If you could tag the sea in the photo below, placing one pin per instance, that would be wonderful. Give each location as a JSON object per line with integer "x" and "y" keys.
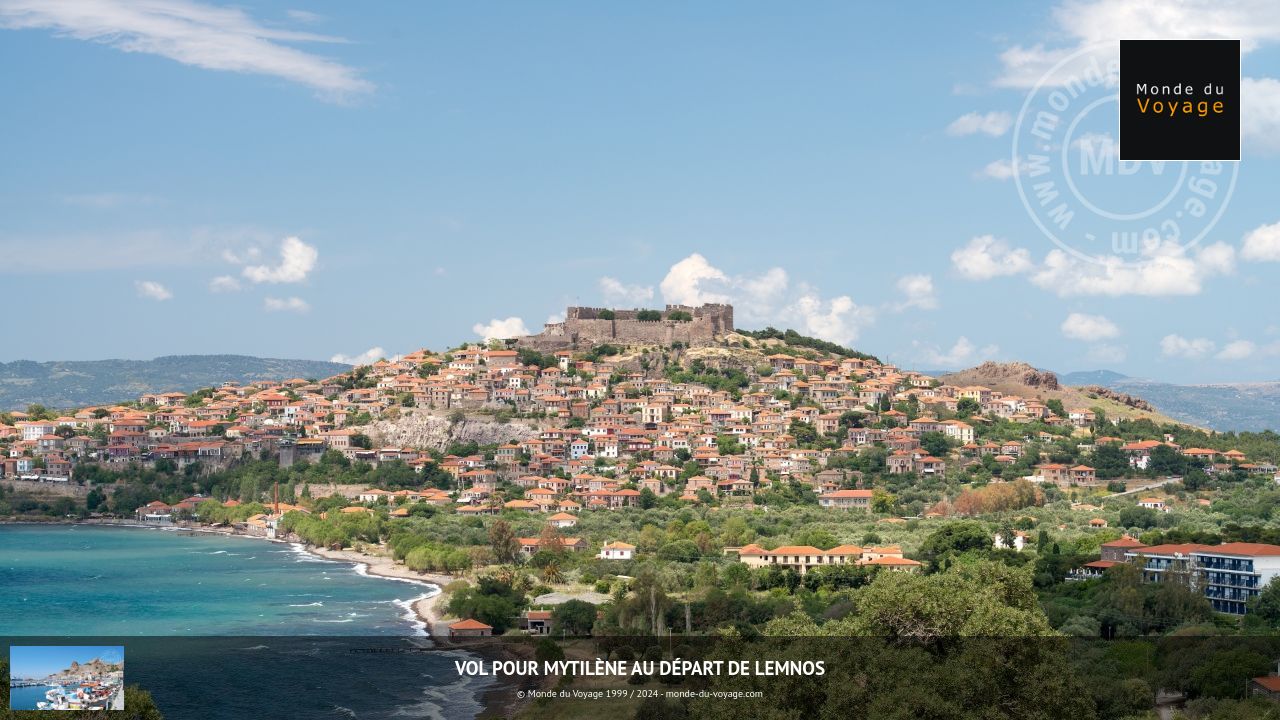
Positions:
{"x": 218, "y": 626}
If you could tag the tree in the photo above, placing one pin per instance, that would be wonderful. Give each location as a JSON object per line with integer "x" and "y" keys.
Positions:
{"x": 680, "y": 551}
{"x": 1166, "y": 461}
{"x": 493, "y": 601}
{"x": 503, "y": 540}
{"x": 983, "y": 599}
{"x": 648, "y": 499}
{"x": 573, "y": 617}
{"x": 551, "y": 573}
{"x": 882, "y": 501}
{"x": 967, "y": 407}
{"x": 1055, "y": 407}
{"x": 954, "y": 539}
{"x": 1138, "y": 517}
{"x": 1109, "y": 461}
{"x": 803, "y": 432}
{"x": 1265, "y": 606}
{"x": 935, "y": 443}
{"x": 551, "y": 541}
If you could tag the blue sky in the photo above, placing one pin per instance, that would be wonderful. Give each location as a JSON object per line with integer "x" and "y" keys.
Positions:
{"x": 38, "y": 661}
{"x": 328, "y": 179}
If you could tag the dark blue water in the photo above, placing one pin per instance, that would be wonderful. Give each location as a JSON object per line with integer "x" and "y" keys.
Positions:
{"x": 26, "y": 698}
{"x": 220, "y": 626}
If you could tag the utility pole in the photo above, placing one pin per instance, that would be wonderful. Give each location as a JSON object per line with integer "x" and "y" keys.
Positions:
{"x": 653, "y": 608}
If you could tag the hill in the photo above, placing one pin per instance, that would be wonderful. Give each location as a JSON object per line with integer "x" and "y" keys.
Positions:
{"x": 1024, "y": 380}
{"x": 63, "y": 384}
{"x": 1223, "y": 407}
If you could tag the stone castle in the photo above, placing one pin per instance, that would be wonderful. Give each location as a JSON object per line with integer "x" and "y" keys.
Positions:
{"x": 583, "y": 327}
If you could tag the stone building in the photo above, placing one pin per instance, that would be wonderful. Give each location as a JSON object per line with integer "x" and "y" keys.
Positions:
{"x": 584, "y": 327}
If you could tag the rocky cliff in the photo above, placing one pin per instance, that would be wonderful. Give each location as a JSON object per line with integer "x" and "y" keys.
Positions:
{"x": 428, "y": 430}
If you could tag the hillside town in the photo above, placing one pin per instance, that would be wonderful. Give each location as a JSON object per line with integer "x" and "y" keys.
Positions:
{"x": 609, "y": 427}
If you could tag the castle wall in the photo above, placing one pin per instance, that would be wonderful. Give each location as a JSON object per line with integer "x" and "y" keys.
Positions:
{"x": 583, "y": 327}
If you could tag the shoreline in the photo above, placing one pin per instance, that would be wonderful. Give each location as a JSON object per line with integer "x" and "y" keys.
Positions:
{"x": 423, "y": 608}
{"x": 502, "y": 697}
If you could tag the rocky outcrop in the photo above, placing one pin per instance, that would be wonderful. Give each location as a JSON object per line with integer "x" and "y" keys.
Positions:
{"x": 994, "y": 373}
{"x": 421, "y": 429}
{"x": 1132, "y": 401}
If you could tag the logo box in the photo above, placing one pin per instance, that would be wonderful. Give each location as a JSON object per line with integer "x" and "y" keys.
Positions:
{"x": 1180, "y": 100}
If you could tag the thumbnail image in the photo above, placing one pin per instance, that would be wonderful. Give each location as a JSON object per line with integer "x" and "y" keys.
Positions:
{"x": 66, "y": 677}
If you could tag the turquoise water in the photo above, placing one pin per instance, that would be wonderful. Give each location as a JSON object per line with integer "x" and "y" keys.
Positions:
{"x": 87, "y": 580}
{"x": 203, "y": 617}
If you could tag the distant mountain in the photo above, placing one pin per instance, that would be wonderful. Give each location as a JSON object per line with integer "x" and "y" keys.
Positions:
{"x": 1222, "y": 407}
{"x": 97, "y": 382}
{"x": 1092, "y": 377}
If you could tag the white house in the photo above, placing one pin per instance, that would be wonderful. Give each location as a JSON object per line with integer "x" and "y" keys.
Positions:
{"x": 1020, "y": 541}
{"x": 617, "y": 551}
{"x": 562, "y": 520}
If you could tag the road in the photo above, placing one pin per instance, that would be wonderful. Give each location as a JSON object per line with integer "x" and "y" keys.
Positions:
{"x": 1144, "y": 488}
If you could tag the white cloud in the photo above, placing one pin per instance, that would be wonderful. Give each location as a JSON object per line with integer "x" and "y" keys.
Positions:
{"x": 1262, "y": 244}
{"x": 1090, "y": 328}
{"x": 768, "y": 299}
{"x": 1162, "y": 270}
{"x": 917, "y": 291}
{"x": 152, "y": 290}
{"x": 1260, "y": 112}
{"x": 694, "y": 281}
{"x": 986, "y": 257}
{"x": 1165, "y": 270}
{"x": 224, "y": 283}
{"x": 618, "y": 294}
{"x": 1191, "y": 349}
{"x": 964, "y": 352}
{"x": 289, "y": 304}
{"x": 497, "y": 329}
{"x": 192, "y": 33}
{"x": 240, "y": 257}
{"x": 995, "y": 124}
{"x": 838, "y": 320}
{"x": 1093, "y": 29}
{"x": 1216, "y": 259}
{"x": 1236, "y": 350}
{"x": 684, "y": 283}
{"x": 297, "y": 260}
{"x": 1002, "y": 169}
{"x": 367, "y": 357}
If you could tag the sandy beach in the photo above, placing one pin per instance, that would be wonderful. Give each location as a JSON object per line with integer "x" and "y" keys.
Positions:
{"x": 386, "y": 566}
